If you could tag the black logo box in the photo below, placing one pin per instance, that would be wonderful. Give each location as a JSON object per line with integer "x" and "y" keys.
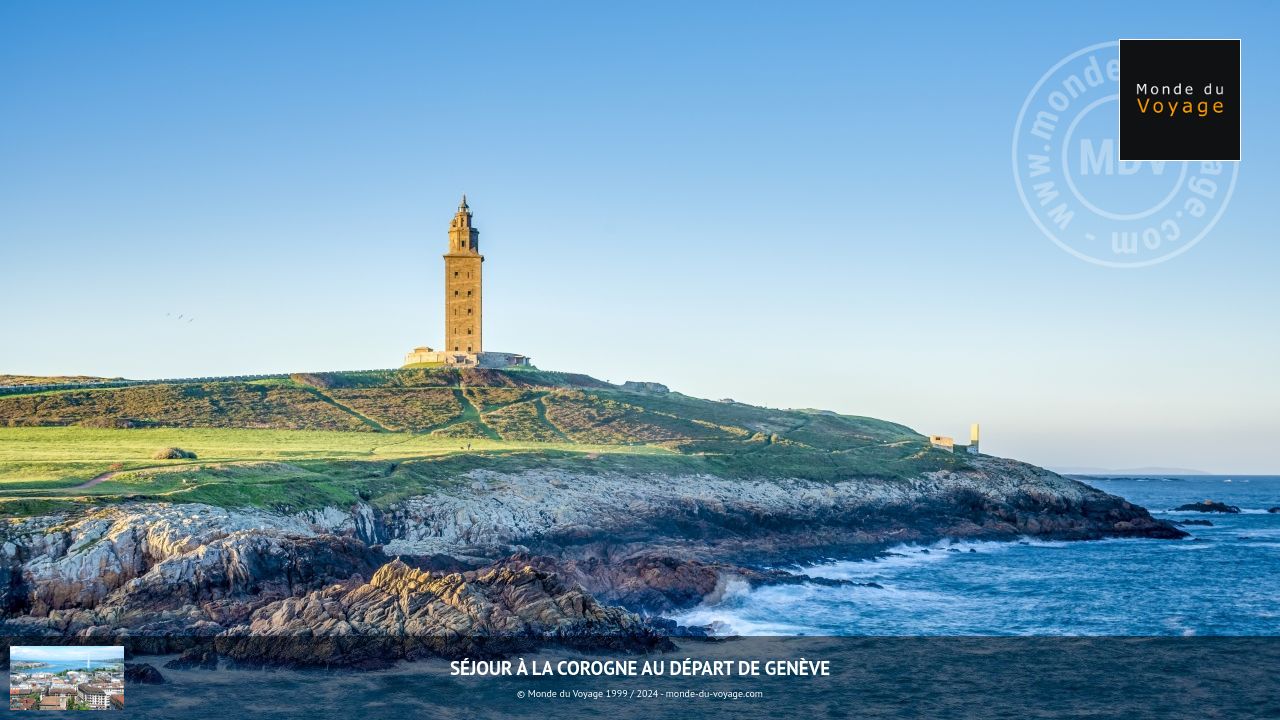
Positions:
{"x": 1186, "y": 68}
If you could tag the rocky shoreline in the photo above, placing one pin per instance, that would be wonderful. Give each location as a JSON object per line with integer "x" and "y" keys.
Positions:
{"x": 500, "y": 563}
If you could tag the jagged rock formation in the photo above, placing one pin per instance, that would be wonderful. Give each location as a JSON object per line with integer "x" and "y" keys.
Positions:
{"x": 1208, "y": 506}
{"x": 157, "y": 569}
{"x": 403, "y": 612}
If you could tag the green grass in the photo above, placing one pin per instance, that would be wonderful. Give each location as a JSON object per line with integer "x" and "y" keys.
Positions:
{"x": 379, "y": 436}
{"x": 48, "y": 463}
{"x": 22, "y": 449}
{"x": 292, "y": 470}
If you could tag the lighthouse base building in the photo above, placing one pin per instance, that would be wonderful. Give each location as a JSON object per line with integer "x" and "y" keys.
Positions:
{"x": 425, "y": 356}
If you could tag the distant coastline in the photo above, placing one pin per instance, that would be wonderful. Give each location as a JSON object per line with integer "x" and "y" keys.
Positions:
{"x": 1127, "y": 472}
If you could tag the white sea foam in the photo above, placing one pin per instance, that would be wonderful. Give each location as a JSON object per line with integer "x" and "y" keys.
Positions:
{"x": 1243, "y": 511}
{"x": 1026, "y": 587}
{"x": 911, "y": 555}
{"x": 727, "y": 623}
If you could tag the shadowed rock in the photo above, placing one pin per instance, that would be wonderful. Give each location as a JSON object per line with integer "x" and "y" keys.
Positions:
{"x": 142, "y": 673}
{"x": 1208, "y": 506}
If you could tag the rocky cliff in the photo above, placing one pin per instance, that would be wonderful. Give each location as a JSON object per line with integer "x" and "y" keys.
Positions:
{"x": 500, "y": 561}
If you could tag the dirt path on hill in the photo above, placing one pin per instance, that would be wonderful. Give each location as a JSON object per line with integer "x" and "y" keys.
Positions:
{"x": 107, "y": 476}
{"x": 324, "y": 397}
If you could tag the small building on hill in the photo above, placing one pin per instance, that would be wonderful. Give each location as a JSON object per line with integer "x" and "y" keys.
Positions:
{"x": 943, "y": 442}
{"x": 463, "y": 305}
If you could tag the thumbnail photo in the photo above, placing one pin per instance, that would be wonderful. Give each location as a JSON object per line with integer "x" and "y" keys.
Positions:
{"x": 75, "y": 677}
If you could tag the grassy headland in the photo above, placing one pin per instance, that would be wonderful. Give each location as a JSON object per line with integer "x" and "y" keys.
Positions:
{"x": 337, "y": 438}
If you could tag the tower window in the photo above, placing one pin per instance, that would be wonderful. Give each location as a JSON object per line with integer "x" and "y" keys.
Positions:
{"x": 468, "y": 331}
{"x": 455, "y": 273}
{"x": 468, "y": 293}
{"x": 455, "y": 293}
{"x": 468, "y": 311}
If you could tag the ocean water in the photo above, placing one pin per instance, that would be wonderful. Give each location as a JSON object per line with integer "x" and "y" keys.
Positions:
{"x": 1223, "y": 580}
{"x": 57, "y": 666}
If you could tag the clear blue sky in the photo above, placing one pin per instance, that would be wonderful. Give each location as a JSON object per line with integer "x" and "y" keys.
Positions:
{"x": 788, "y": 204}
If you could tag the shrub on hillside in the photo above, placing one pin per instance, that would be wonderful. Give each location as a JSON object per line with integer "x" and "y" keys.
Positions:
{"x": 174, "y": 453}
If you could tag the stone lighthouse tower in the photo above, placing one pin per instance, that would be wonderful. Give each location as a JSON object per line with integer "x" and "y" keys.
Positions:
{"x": 463, "y": 305}
{"x": 463, "y": 309}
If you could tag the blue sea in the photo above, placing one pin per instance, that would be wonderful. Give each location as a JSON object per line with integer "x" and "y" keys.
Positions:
{"x": 1223, "y": 580}
{"x": 57, "y": 666}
